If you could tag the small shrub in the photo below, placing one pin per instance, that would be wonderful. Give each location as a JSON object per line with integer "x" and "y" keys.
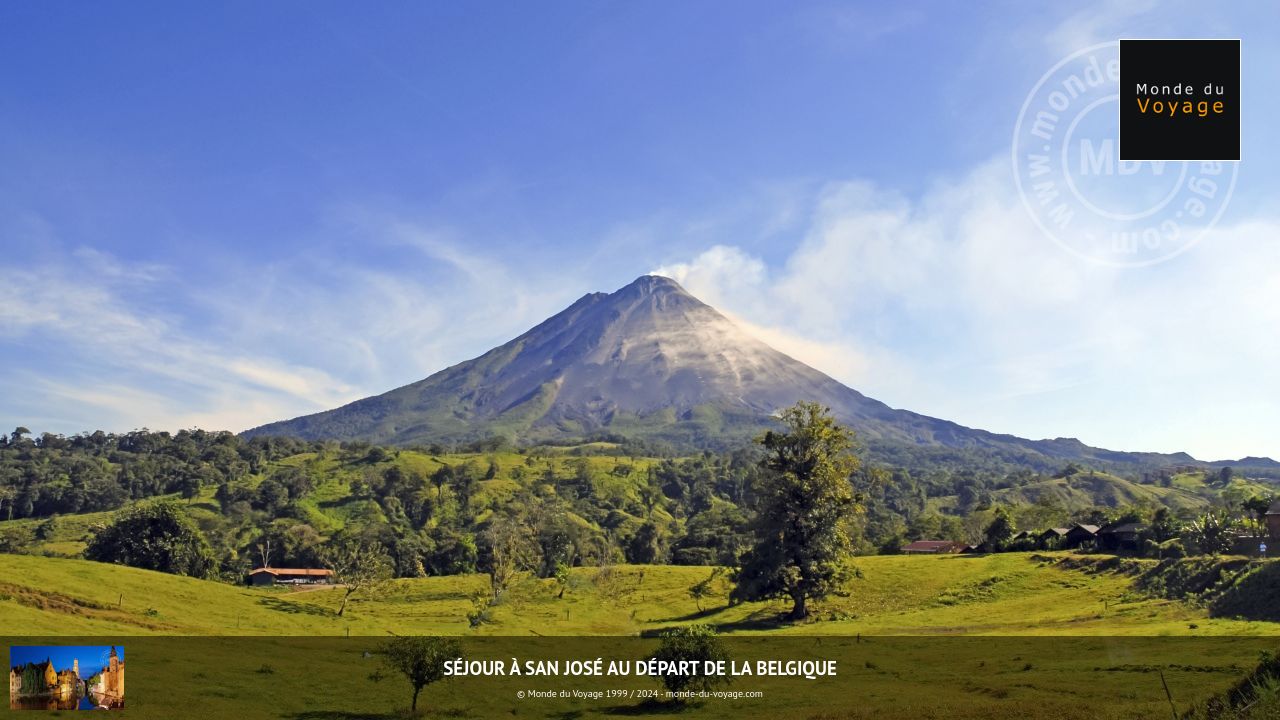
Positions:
{"x": 1150, "y": 549}
{"x": 695, "y": 642}
{"x": 1174, "y": 548}
{"x": 481, "y": 612}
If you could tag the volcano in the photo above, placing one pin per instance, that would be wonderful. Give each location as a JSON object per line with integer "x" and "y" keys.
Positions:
{"x": 651, "y": 362}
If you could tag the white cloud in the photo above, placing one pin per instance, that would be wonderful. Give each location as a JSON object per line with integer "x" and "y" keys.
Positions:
{"x": 730, "y": 280}
{"x": 111, "y": 344}
{"x": 87, "y": 319}
{"x": 721, "y": 269}
{"x": 956, "y": 305}
{"x": 952, "y": 304}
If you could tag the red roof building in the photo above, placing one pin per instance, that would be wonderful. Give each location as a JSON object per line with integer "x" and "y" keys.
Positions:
{"x": 290, "y": 576}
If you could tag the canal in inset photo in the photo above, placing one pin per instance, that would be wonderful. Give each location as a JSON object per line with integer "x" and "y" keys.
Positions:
{"x": 66, "y": 677}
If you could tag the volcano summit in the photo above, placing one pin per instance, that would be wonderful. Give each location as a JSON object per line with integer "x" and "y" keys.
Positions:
{"x": 649, "y": 361}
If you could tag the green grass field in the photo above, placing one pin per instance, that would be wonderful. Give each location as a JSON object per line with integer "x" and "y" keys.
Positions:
{"x": 1006, "y": 594}
{"x": 1012, "y": 635}
{"x": 1035, "y": 635}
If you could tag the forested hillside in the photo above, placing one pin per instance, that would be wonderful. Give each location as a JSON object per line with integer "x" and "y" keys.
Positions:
{"x": 441, "y": 511}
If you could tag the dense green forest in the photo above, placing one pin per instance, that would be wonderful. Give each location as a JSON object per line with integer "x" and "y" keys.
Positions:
{"x": 57, "y": 475}
{"x": 439, "y": 510}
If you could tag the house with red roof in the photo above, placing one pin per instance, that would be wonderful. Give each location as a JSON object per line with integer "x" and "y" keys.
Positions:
{"x": 290, "y": 576}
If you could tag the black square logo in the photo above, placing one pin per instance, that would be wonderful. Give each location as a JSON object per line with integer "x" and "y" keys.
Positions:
{"x": 1179, "y": 99}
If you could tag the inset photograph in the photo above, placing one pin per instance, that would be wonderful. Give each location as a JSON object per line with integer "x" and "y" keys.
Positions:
{"x": 66, "y": 677}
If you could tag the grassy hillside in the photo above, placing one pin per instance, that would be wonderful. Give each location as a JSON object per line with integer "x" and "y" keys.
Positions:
{"x": 1111, "y": 642}
{"x": 1008, "y": 594}
{"x": 1087, "y": 488}
{"x": 1201, "y": 484}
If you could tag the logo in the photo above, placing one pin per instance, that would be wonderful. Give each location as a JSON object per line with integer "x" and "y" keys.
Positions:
{"x": 1066, "y": 162}
{"x": 1180, "y": 99}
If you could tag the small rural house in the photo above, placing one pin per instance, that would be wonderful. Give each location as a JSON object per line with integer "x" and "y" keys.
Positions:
{"x": 290, "y": 576}
{"x": 1079, "y": 535}
{"x": 1052, "y": 538}
{"x": 1124, "y": 536}
{"x": 1273, "y": 520}
{"x": 934, "y": 547}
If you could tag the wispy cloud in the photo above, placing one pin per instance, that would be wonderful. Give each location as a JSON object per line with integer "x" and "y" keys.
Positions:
{"x": 948, "y": 301}
{"x": 956, "y": 305}
{"x": 953, "y": 303}
{"x": 90, "y": 319}
{"x": 120, "y": 345}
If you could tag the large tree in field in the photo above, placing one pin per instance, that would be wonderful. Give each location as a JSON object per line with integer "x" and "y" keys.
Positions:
{"x": 508, "y": 548}
{"x": 154, "y": 536}
{"x": 999, "y": 533}
{"x": 421, "y": 659}
{"x": 805, "y": 502}
{"x": 359, "y": 565}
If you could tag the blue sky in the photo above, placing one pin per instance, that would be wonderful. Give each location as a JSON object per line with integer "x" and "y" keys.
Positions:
{"x": 92, "y": 657}
{"x": 227, "y": 215}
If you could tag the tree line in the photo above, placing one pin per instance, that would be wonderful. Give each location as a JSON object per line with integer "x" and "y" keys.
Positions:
{"x": 52, "y": 474}
{"x": 559, "y": 513}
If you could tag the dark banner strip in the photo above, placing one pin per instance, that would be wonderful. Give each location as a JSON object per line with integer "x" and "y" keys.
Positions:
{"x": 357, "y": 678}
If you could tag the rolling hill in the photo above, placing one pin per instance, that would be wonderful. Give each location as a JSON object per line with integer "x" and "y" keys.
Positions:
{"x": 1006, "y": 594}
{"x": 1054, "y": 634}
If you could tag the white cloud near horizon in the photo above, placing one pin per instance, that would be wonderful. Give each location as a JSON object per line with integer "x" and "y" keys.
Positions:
{"x": 119, "y": 345}
{"x": 952, "y": 304}
{"x": 91, "y": 311}
{"x": 956, "y": 305}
